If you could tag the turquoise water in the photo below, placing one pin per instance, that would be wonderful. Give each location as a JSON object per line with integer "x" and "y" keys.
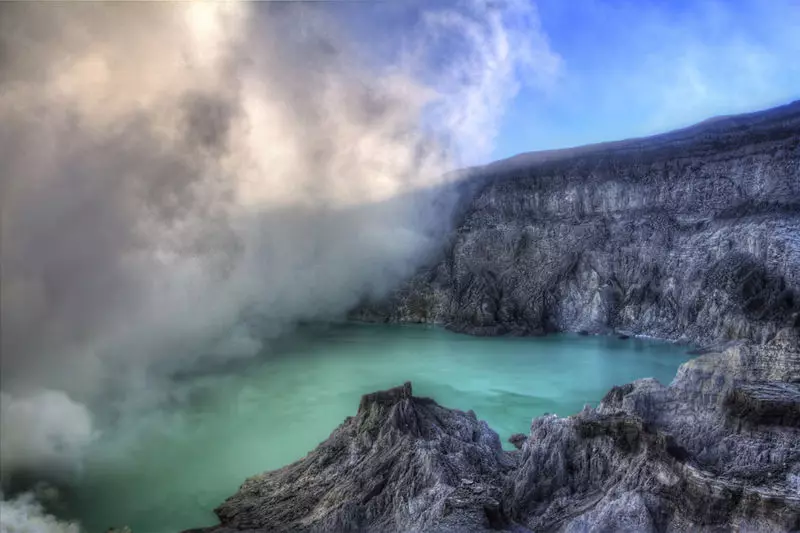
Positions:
{"x": 169, "y": 470}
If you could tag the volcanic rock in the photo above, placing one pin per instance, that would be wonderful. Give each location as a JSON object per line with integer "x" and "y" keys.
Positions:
{"x": 717, "y": 450}
{"x": 692, "y": 235}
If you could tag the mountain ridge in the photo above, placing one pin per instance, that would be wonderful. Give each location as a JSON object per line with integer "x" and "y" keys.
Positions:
{"x": 693, "y": 238}
{"x": 790, "y": 110}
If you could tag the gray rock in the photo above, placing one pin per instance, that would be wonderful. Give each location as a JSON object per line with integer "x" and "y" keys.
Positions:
{"x": 692, "y": 236}
{"x": 518, "y": 439}
{"x": 401, "y": 464}
{"x": 717, "y": 450}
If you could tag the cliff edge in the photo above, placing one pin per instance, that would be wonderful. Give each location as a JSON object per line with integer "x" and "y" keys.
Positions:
{"x": 692, "y": 235}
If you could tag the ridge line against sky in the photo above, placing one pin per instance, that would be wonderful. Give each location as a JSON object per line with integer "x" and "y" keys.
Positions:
{"x": 610, "y": 70}
{"x": 638, "y": 68}
{"x": 629, "y": 141}
{"x": 635, "y": 69}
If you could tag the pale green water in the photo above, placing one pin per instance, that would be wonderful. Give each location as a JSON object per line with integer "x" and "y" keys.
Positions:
{"x": 169, "y": 472}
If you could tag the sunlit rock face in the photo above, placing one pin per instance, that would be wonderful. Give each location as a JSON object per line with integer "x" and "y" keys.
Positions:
{"x": 692, "y": 235}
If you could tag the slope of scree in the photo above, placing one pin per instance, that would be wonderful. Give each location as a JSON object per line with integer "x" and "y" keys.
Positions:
{"x": 692, "y": 235}
{"x": 717, "y": 450}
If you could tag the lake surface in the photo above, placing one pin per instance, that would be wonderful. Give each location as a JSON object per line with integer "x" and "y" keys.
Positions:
{"x": 166, "y": 472}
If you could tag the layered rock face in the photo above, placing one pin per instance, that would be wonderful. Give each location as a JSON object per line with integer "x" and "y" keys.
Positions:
{"x": 717, "y": 450}
{"x": 692, "y": 235}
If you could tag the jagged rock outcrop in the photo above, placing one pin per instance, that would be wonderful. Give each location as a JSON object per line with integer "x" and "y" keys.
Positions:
{"x": 717, "y": 450}
{"x": 401, "y": 464}
{"x": 692, "y": 235}
{"x": 688, "y": 457}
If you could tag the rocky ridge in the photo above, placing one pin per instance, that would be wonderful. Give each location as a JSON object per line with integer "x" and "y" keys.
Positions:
{"x": 692, "y": 235}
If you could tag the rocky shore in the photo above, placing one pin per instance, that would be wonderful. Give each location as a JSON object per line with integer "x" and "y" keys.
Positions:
{"x": 717, "y": 450}
{"x": 692, "y": 236}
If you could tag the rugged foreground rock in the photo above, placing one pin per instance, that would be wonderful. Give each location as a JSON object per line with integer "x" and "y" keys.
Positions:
{"x": 717, "y": 450}
{"x": 692, "y": 235}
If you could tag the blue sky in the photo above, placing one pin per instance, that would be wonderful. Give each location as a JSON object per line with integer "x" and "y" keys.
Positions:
{"x": 627, "y": 68}
{"x": 632, "y": 68}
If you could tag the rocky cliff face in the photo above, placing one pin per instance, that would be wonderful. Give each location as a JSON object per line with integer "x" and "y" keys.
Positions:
{"x": 692, "y": 235}
{"x": 717, "y": 450}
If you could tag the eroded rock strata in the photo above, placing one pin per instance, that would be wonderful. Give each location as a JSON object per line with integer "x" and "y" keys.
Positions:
{"x": 717, "y": 450}
{"x": 692, "y": 235}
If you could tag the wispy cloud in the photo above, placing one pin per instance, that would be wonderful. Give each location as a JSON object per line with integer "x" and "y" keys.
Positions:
{"x": 717, "y": 58}
{"x": 633, "y": 68}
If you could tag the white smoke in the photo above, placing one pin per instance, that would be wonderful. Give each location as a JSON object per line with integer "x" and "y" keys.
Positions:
{"x": 25, "y": 514}
{"x": 189, "y": 179}
{"x": 46, "y": 431}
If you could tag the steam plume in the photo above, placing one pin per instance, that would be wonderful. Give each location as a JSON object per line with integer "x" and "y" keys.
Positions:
{"x": 186, "y": 179}
{"x": 24, "y": 514}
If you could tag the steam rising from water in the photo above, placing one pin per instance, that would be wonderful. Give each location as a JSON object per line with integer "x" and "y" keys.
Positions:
{"x": 188, "y": 179}
{"x": 25, "y": 514}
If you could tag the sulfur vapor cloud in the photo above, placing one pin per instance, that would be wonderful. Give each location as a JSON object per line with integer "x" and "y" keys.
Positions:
{"x": 186, "y": 180}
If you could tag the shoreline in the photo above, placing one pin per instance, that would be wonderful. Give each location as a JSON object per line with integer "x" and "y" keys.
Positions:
{"x": 677, "y": 438}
